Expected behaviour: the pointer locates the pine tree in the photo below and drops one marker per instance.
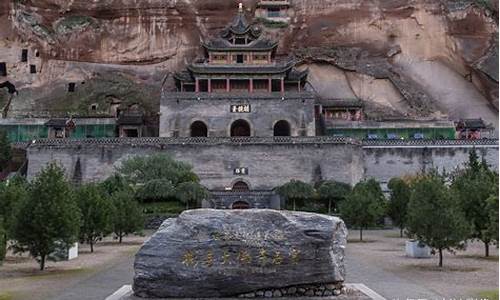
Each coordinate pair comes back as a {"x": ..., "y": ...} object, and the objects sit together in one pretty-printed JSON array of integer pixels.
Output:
[
  {"x": 364, "y": 206},
  {"x": 127, "y": 215},
  {"x": 398, "y": 204},
  {"x": 49, "y": 217},
  {"x": 435, "y": 218},
  {"x": 472, "y": 187},
  {"x": 332, "y": 193},
  {"x": 96, "y": 214}
]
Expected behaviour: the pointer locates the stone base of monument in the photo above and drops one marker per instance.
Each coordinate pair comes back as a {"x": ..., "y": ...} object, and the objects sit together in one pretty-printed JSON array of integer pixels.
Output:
[{"x": 309, "y": 292}]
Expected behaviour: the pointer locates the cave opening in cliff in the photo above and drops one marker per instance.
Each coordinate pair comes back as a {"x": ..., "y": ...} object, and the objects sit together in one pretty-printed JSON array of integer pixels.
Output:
[
  {"x": 24, "y": 55},
  {"x": 3, "y": 69},
  {"x": 32, "y": 69},
  {"x": 71, "y": 87}
]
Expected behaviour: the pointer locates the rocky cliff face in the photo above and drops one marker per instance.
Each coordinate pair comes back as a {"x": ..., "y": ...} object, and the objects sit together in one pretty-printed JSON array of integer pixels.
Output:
[{"x": 417, "y": 57}]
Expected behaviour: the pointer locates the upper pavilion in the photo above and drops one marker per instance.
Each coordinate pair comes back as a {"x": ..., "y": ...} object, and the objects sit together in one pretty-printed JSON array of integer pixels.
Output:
[{"x": 240, "y": 59}]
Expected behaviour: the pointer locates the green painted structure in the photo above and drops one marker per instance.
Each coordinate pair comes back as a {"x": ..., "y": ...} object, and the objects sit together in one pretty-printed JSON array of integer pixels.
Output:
[
  {"x": 393, "y": 130},
  {"x": 24, "y": 130}
]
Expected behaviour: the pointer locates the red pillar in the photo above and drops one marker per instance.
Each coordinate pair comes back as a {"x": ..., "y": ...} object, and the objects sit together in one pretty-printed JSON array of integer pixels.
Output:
[
  {"x": 251, "y": 85},
  {"x": 282, "y": 85},
  {"x": 209, "y": 85},
  {"x": 228, "y": 85},
  {"x": 197, "y": 85},
  {"x": 270, "y": 85}
]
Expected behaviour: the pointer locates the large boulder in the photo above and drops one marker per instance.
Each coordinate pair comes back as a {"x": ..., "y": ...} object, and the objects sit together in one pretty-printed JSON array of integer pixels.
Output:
[{"x": 225, "y": 253}]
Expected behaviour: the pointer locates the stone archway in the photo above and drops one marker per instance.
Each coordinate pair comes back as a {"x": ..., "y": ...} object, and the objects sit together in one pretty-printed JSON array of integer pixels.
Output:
[
  {"x": 199, "y": 129},
  {"x": 282, "y": 128},
  {"x": 241, "y": 186},
  {"x": 240, "y": 205},
  {"x": 240, "y": 128}
]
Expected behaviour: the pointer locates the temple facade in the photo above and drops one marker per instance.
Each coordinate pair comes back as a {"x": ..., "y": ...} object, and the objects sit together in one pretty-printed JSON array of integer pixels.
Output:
[{"x": 239, "y": 88}]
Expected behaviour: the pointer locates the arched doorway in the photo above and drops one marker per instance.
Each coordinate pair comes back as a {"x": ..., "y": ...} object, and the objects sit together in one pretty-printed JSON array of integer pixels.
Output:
[
  {"x": 240, "y": 205},
  {"x": 240, "y": 128},
  {"x": 240, "y": 186},
  {"x": 199, "y": 129},
  {"x": 282, "y": 128}
]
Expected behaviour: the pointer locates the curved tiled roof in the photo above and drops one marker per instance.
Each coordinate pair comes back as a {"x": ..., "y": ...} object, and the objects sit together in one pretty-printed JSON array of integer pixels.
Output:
[
  {"x": 276, "y": 68},
  {"x": 220, "y": 44}
]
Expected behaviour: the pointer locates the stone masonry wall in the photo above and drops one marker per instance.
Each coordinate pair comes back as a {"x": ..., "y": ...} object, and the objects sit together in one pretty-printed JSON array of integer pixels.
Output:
[
  {"x": 386, "y": 162},
  {"x": 178, "y": 115},
  {"x": 269, "y": 164}
]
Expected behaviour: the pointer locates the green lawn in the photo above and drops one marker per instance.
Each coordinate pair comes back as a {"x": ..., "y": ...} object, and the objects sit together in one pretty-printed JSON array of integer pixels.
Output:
[
  {"x": 5, "y": 296},
  {"x": 490, "y": 295}
]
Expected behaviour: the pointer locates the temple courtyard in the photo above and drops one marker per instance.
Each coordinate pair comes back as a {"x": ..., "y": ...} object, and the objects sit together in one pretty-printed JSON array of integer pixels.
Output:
[{"x": 379, "y": 263}]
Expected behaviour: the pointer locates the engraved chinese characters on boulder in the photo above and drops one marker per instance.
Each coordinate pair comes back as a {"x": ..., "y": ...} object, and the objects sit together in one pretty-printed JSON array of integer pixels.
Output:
[{"x": 223, "y": 253}]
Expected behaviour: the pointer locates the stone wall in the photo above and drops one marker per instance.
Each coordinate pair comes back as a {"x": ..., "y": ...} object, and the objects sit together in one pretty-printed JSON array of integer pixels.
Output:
[
  {"x": 384, "y": 162},
  {"x": 270, "y": 162},
  {"x": 179, "y": 111}
]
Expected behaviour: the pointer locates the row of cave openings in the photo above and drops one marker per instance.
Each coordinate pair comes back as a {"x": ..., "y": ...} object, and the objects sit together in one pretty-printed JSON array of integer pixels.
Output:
[
  {"x": 32, "y": 68},
  {"x": 240, "y": 128},
  {"x": 24, "y": 59}
]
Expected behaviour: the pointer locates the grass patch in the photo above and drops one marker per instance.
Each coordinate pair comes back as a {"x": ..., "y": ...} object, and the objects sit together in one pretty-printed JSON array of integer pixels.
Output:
[
  {"x": 5, "y": 296},
  {"x": 490, "y": 295},
  {"x": 393, "y": 235},
  {"x": 55, "y": 272},
  {"x": 445, "y": 268},
  {"x": 480, "y": 257}
]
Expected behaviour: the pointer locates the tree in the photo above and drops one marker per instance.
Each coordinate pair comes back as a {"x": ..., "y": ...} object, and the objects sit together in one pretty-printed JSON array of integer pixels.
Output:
[
  {"x": 191, "y": 193},
  {"x": 493, "y": 208},
  {"x": 12, "y": 193},
  {"x": 398, "y": 204},
  {"x": 5, "y": 150},
  {"x": 155, "y": 190},
  {"x": 49, "y": 217},
  {"x": 141, "y": 169},
  {"x": 472, "y": 187},
  {"x": 332, "y": 193},
  {"x": 434, "y": 217},
  {"x": 3, "y": 242},
  {"x": 115, "y": 183},
  {"x": 296, "y": 191},
  {"x": 364, "y": 206},
  {"x": 127, "y": 215},
  {"x": 156, "y": 177},
  {"x": 96, "y": 214}
]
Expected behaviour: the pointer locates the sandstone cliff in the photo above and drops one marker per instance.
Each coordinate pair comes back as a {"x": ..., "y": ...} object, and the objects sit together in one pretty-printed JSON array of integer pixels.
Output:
[{"x": 403, "y": 58}]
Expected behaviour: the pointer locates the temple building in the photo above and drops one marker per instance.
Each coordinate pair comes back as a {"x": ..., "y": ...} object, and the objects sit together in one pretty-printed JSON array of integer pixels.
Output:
[{"x": 239, "y": 88}]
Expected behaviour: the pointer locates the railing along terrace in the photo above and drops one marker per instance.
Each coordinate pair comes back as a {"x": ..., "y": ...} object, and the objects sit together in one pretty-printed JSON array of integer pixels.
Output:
[
  {"x": 165, "y": 141},
  {"x": 159, "y": 141},
  {"x": 427, "y": 142}
]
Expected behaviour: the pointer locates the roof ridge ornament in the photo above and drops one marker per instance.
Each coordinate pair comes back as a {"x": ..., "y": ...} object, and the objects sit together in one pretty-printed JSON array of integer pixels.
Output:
[{"x": 240, "y": 8}]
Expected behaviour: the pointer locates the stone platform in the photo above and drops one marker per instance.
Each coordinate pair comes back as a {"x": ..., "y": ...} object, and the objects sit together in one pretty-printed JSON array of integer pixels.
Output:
[{"x": 353, "y": 292}]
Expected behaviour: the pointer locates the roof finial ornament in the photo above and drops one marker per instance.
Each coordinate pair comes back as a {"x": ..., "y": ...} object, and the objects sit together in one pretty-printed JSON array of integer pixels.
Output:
[{"x": 240, "y": 8}]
